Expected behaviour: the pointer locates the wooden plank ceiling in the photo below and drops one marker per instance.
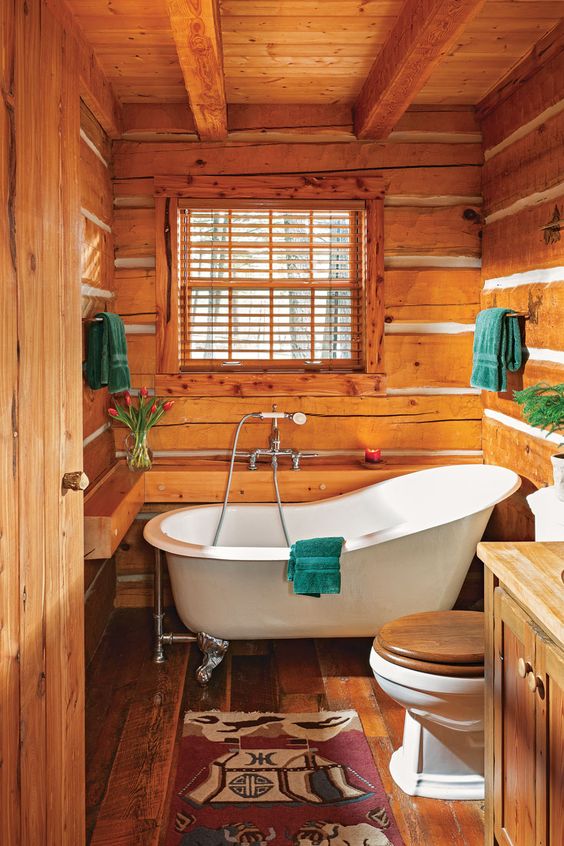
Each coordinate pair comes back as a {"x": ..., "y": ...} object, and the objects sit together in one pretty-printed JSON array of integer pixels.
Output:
[{"x": 304, "y": 51}]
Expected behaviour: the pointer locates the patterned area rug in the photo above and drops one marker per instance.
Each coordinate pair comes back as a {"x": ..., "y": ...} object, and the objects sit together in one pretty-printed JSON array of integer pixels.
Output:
[{"x": 299, "y": 779}]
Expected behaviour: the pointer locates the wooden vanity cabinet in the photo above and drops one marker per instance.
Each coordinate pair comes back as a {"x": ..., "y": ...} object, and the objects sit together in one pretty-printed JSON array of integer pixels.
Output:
[
  {"x": 525, "y": 729},
  {"x": 549, "y": 668}
]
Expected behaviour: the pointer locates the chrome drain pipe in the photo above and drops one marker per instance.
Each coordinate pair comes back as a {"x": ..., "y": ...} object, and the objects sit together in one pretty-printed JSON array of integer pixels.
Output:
[{"x": 161, "y": 637}]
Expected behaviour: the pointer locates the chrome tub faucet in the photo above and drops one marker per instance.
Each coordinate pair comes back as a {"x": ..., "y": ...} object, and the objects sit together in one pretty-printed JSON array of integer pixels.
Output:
[{"x": 274, "y": 450}]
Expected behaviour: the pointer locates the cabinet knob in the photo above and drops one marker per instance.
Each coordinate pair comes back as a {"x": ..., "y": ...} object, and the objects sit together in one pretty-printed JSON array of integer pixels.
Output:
[
  {"x": 77, "y": 481},
  {"x": 531, "y": 682},
  {"x": 523, "y": 668}
]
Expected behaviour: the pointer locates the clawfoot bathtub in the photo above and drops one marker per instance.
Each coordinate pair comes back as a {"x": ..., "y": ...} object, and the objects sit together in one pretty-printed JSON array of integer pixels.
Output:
[{"x": 408, "y": 544}]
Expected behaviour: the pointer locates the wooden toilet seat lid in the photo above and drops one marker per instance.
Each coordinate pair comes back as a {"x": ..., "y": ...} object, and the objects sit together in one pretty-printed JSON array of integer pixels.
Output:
[
  {"x": 447, "y": 638},
  {"x": 451, "y": 670}
]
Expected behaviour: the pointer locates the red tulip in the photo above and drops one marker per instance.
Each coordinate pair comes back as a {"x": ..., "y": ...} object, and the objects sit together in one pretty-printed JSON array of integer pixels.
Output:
[
  {"x": 153, "y": 408},
  {"x": 127, "y": 398},
  {"x": 168, "y": 405},
  {"x": 144, "y": 392},
  {"x": 112, "y": 412}
]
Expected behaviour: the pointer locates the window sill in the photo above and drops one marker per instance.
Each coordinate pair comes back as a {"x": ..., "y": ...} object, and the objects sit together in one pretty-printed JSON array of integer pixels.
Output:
[{"x": 266, "y": 384}]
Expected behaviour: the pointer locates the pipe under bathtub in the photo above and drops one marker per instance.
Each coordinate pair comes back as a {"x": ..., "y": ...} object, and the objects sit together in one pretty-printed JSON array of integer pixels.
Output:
[
  {"x": 162, "y": 637},
  {"x": 212, "y": 648}
]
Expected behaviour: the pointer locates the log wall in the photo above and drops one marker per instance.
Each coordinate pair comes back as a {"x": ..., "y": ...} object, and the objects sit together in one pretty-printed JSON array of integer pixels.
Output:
[
  {"x": 523, "y": 184},
  {"x": 97, "y": 272},
  {"x": 432, "y": 281}
]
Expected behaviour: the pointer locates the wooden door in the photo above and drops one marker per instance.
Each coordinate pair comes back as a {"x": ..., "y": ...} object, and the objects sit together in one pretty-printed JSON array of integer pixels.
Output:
[
  {"x": 549, "y": 696},
  {"x": 514, "y": 724},
  {"x": 41, "y": 567}
]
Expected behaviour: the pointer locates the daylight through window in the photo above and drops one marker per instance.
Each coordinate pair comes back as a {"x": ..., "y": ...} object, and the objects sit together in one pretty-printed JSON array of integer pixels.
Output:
[{"x": 270, "y": 287}]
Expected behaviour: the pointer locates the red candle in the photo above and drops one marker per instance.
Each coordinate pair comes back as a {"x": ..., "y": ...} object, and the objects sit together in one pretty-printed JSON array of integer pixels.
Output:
[{"x": 372, "y": 456}]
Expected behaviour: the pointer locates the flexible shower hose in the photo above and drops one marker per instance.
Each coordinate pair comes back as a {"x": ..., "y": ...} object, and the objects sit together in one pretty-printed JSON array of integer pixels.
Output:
[
  {"x": 240, "y": 425},
  {"x": 280, "y": 510}
]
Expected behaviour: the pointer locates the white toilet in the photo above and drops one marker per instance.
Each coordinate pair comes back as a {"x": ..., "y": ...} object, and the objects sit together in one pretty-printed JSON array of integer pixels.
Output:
[{"x": 433, "y": 665}]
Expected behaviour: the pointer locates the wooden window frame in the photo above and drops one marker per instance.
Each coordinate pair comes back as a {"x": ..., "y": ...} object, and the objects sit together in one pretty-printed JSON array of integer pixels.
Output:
[{"x": 280, "y": 189}]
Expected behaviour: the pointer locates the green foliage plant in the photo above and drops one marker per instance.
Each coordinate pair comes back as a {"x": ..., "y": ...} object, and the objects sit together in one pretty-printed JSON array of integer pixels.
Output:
[{"x": 543, "y": 406}]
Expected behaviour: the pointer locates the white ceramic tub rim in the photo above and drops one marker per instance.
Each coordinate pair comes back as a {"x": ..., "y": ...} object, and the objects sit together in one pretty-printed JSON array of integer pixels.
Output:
[{"x": 154, "y": 534}]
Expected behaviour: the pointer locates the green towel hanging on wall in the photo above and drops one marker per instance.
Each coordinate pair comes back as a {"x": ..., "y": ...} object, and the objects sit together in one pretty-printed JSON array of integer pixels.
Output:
[
  {"x": 497, "y": 349},
  {"x": 106, "y": 362}
]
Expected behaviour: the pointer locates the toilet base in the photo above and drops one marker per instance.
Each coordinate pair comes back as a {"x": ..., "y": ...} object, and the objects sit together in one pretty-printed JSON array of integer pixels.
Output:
[{"x": 439, "y": 762}]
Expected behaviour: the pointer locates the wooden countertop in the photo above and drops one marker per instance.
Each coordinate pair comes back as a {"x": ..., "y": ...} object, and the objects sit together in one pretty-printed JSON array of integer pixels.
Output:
[{"x": 533, "y": 573}]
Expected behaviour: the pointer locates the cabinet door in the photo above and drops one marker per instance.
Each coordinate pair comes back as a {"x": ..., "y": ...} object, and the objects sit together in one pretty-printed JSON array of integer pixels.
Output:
[
  {"x": 514, "y": 724},
  {"x": 549, "y": 692}
]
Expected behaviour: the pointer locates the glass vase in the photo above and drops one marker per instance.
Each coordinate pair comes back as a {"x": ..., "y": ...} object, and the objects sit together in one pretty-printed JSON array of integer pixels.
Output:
[{"x": 138, "y": 455}]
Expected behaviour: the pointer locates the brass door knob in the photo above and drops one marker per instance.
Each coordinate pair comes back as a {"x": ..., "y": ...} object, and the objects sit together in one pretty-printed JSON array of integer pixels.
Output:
[
  {"x": 523, "y": 668},
  {"x": 77, "y": 481}
]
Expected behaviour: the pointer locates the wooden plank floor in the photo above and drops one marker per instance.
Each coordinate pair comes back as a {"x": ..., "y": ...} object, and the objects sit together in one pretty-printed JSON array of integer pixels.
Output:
[{"x": 134, "y": 710}]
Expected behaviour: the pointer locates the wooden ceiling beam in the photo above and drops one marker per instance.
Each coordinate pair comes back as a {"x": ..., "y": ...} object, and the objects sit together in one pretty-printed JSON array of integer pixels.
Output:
[
  {"x": 197, "y": 34},
  {"x": 422, "y": 35}
]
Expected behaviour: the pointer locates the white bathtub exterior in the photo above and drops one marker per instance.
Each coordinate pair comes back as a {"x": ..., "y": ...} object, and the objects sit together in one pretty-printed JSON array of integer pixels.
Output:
[{"x": 408, "y": 544}]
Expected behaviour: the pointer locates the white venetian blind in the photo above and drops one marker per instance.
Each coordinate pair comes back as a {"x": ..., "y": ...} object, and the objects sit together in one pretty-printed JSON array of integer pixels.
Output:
[{"x": 264, "y": 287}]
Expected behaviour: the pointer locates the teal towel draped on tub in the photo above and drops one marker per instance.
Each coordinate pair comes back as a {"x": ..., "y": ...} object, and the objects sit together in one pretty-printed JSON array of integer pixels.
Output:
[
  {"x": 106, "y": 362},
  {"x": 497, "y": 349},
  {"x": 314, "y": 566}
]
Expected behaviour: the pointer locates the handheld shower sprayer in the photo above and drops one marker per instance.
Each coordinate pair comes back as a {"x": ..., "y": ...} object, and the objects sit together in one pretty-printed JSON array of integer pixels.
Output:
[
  {"x": 295, "y": 416},
  {"x": 298, "y": 417}
]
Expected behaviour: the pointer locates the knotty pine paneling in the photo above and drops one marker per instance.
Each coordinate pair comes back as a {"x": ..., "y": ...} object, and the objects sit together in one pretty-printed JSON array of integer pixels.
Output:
[
  {"x": 515, "y": 178},
  {"x": 10, "y": 589},
  {"x": 41, "y": 578}
]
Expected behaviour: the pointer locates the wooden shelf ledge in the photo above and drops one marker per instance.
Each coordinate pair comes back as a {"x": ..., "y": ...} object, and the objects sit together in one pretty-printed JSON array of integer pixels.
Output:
[
  {"x": 200, "y": 481},
  {"x": 110, "y": 509}
]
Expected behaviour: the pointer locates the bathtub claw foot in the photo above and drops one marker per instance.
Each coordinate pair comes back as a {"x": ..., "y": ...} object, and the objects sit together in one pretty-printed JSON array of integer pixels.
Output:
[{"x": 214, "y": 649}]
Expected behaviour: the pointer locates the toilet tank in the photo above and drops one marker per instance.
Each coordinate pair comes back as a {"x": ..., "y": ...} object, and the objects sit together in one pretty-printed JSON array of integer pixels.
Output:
[{"x": 549, "y": 515}]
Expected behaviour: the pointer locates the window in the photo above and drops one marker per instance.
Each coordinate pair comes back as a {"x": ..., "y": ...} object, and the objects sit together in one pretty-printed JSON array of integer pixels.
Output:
[
  {"x": 263, "y": 286},
  {"x": 270, "y": 283}
]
